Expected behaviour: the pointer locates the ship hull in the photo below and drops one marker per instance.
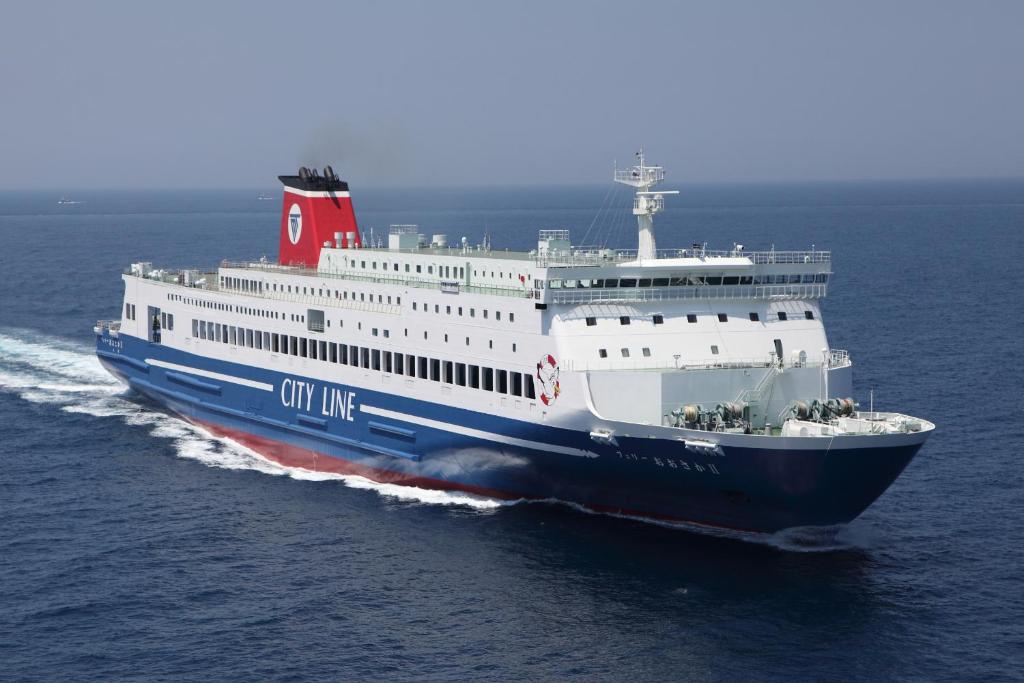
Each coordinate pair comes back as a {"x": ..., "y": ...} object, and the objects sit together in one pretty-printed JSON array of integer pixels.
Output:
[{"x": 396, "y": 439}]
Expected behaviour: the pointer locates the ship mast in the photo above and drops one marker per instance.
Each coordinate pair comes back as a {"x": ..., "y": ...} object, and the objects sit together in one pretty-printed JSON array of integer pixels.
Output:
[{"x": 646, "y": 203}]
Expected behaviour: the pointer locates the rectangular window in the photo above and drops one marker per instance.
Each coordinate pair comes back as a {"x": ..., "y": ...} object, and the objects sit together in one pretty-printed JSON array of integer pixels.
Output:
[
  {"x": 342, "y": 354},
  {"x": 809, "y": 315},
  {"x": 658, "y": 319},
  {"x": 623, "y": 319},
  {"x": 714, "y": 350},
  {"x": 474, "y": 376},
  {"x": 754, "y": 317},
  {"x": 591, "y": 321},
  {"x": 603, "y": 353},
  {"x": 625, "y": 353},
  {"x": 782, "y": 315},
  {"x": 488, "y": 379},
  {"x": 275, "y": 342},
  {"x": 376, "y": 359},
  {"x": 322, "y": 355},
  {"x": 353, "y": 355},
  {"x": 435, "y": 370},
  {"x": 333, "y": 352},
  {"x": 422, "y": 368},
  {"x": 364, "y": 356},
  {"x": 517, "y": 383},
  {"x": 293, "y": 345},
  {"x": 410, "y": 365},
  {"x": 195, "y": 327},
  {"x": 313, "y": 350},
  {"x": 691, "y": 318},
  {"x": 723, "y": 317},
  {"x": 502, "y": 381},
  {"x": 528, "y": 386},
  {"x": 303, "y": 347},
  {"x": 460, "y": 374},
  {"x": 449, "y": 372}
]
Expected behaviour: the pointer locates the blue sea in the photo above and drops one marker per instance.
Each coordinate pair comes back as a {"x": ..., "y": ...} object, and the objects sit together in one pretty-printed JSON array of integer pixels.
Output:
[{"x": 134, "y": 547}]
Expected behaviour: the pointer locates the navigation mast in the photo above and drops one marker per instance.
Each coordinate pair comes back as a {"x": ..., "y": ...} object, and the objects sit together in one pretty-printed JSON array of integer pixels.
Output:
[{"x": 646, "y": 203}]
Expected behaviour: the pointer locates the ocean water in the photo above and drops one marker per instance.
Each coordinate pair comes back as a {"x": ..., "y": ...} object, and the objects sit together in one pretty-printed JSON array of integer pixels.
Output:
[{"x": 136, "y": 547}]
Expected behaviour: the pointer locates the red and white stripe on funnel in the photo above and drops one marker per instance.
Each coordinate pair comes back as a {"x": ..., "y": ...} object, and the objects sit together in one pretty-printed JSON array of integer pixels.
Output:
[{"x": 317, "y": 211}]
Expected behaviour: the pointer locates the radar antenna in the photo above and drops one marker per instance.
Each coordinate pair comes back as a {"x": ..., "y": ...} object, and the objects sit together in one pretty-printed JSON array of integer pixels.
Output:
[{"x": 646, "y": 203}]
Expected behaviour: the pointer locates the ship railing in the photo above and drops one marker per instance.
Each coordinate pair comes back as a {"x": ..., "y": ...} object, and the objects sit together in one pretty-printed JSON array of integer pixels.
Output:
[
  {"x": 101, "y": 325},
  {"x": 582, "y": 295},
  {"x": 768, "y": 362},
  {"x": 591, "y": 255},
  {"x": 444, "y": 285}
]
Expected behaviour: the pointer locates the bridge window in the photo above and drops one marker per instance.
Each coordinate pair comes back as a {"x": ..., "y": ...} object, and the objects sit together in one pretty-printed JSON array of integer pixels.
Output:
[
  {"x": 754, "y": 317},
  {"x": 691, "y": 318},
  {"x": 723, "y": 317},
  {"x": 591, "y": 321},
  {"x": 809, "y": 315},
  {"x": 782, "y": 315},
  {"x": 623, "y": 319},
  {"x": 658, "y": 319}
]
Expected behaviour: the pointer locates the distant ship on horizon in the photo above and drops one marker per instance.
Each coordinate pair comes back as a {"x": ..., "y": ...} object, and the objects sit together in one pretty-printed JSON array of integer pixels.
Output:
[
  {"x": 264, "y": 197},
  {"x": 66, "y": 200}
]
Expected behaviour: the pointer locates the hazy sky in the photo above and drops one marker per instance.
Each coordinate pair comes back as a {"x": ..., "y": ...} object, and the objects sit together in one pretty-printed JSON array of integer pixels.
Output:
[{"x": 182, "y": 94}]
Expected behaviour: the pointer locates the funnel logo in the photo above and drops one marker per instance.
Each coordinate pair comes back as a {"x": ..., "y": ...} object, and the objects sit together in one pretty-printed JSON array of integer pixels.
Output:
[
  {"x": 294, "y": 223},
  {"x": 547, "y": 376}
]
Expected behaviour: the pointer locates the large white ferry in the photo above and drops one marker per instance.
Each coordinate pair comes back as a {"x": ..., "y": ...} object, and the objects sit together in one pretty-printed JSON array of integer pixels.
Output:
[{"x": 681, "y": 384}]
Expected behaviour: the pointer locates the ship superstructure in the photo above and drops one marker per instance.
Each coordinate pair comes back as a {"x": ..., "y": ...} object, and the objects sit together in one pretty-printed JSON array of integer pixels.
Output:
[{"x": 683, "y": 384}]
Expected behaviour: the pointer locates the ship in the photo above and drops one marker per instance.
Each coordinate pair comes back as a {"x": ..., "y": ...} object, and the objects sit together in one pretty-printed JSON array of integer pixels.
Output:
[
  {"x": 264, "y": 197},
  {"x": 684, "y": 385}
]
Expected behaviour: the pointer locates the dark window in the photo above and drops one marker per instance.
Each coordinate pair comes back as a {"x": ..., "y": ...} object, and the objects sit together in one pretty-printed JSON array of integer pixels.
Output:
[
  {"x": 591, "y": 322},
  {"x": 422, "y": 374},
  {"x": 376, "y": 359},
  {"x": 334, "y": 352},
  {"x": 435, "y": 369},
  {"x": 647, "y": 352},
  {"x": 528, "y": 386},
  {"x": 731, "y": 280},
  {"x": 625, "y": 353},
  {"x": 691, "y": 318},
  {"x": 809, "y": 315},
  {"x": 754, "y": 317},
  {"x": 387, "y": 361},
  {"x": 714, "y": 349},
  {"x": 474, "y": 376},
  {"x": 658, "y": 319},
  {"x": 782, "y": 315},
  {"x": 488, "y": 379},
  {"x": 723, "y": 318},
  {"x": 517, "y": 384},
  {"x": 364, "y": 354},
  {"x": 460, "y": 374},
  {"x": 660, "y": 282},
  {"x": 449, "y": 372},
  {"x": 502, "y": 381},
  {"x": 627, "y": 282},
  {"x": 603, "y": 353},
  {"x": 645, "y": 282},
  {"x": 623, "y": 319}
]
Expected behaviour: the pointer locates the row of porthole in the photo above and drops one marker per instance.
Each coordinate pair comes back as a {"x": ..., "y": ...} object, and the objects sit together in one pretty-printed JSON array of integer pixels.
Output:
[{"x": 658, "y": 319}]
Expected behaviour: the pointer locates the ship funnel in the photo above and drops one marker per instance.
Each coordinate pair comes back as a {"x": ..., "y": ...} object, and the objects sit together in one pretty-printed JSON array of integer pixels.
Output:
[{"x": 316, "y": 210}]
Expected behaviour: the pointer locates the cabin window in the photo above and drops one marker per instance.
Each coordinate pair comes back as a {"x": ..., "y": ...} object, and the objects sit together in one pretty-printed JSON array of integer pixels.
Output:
[
  {"x": 602, "y": 353},
  {"x": 511, "y": 317},
  {"x": 714, "y": 350},
  {"x": 474, "y": 376},
  {"x": 782, "y": 315},
  {"x": 364, "y": 354},
  {"x": 754, "y": 317},
  {"x": 627, "y": 282},
  {"x": 809, "y": 315},
  {"x": 658, "y": 319},
  {"x": 502, "y": 381},
  {"x": 691, "y": 318},
  {"x": 334, "y": 352},
  {"x": 376, "y": 359},
  {"x": 449, "y": 372},
  {"x": 528, "y": 386},
  {"x": 625, "y": 353},
  {"x": 488, "y": 379},
  {"x": 723, "y": 317},
  {"x": 399, "y": 367},
  {"x": 435, "y": 370},
  {"x": 460, "y": 374},
  {"x": 517, "y": 384},
  {"x": 591, "y": 321},
  {"x": 623, "y": 319},
  {"x": 647, "y": 352}
]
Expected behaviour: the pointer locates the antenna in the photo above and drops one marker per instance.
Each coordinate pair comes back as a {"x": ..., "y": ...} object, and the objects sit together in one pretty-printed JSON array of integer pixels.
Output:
[{"x": 646, "y": 203}]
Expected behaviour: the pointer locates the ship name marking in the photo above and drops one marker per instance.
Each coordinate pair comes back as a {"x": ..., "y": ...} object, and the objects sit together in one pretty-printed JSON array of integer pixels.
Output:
[{"x": 334, "y": 402}]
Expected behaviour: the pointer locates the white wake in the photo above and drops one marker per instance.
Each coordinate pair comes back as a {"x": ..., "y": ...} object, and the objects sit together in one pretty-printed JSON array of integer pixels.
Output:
[{"x": 46, "y": 370}]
